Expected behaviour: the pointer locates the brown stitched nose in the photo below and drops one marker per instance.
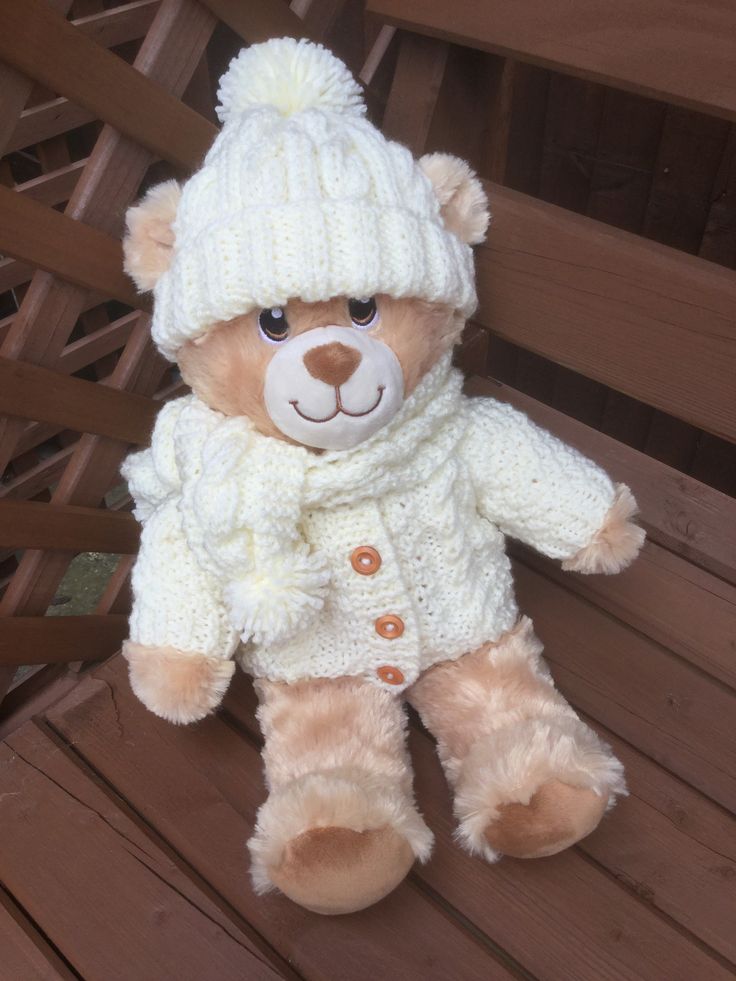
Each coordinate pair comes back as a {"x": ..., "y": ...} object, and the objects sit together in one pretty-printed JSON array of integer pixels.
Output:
[{"x": 332, "y": 363}]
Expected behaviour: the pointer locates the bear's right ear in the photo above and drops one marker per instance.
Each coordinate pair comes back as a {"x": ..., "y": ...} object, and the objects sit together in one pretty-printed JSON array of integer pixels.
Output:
[{"x": 149, "y": 238}]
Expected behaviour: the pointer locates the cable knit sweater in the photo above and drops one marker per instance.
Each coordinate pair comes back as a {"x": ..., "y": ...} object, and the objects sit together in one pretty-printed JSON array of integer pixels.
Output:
[{"x": 248, "y": 542}]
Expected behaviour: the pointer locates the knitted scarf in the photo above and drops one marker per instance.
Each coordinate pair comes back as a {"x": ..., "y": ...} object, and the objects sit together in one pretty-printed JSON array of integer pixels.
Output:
[{"x": 242, "y": 495}]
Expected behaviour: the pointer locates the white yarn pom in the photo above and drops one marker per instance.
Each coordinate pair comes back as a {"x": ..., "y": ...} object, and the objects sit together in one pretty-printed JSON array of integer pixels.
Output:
[
  {"x": 273, "y": 604},
  {"x": 290, "y": 75}
]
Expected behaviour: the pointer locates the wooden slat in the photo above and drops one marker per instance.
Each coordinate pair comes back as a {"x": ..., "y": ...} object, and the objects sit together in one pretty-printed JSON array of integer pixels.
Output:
[
  {"x": 420, "y": 69},
  {"x": 37, "y": 41},
  {"x": 259, "y": 20},
  {"x": 31, "y": 524},
  {"x": 25, "y": 953},
  {"x": 678, "y": 512},
  {"x": 127, "y": 22},
  {"x": 667, "y": 598},
  {"x": 53, "y": 640},
  {"x": 187, "y": 781},
  {"x": 134, "y": 913},
  {"x": 700, "y": 838},
  {"x": 77, "y": 252},
  {"x": 663, "y": 817},
  {"x": 673, "y": 712},
  {"x": 54, "y": 187},
  {"x": 668, "y": 49},
  {"x": 46, "y": 120},
  {"x": 33, "y": 392},
  {"x": 652, "y": 323}
]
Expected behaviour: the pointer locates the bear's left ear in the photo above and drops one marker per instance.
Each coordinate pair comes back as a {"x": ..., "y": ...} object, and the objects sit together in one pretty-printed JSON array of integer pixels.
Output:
[
  {"x": 463, "y": 202},
  {"x": 149, "y": 238}
]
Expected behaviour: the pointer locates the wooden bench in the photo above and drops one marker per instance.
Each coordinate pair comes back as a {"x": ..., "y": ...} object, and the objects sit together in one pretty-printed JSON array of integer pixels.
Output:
[{"x": 144, "y": 823}]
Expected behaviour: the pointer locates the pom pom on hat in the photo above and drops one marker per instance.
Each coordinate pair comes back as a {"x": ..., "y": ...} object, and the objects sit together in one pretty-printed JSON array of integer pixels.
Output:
[{"x": 291, "y": 76}]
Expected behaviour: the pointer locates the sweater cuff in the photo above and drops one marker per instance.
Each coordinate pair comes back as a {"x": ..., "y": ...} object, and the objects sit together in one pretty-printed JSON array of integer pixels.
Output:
[{"x": 615, "y": 544}]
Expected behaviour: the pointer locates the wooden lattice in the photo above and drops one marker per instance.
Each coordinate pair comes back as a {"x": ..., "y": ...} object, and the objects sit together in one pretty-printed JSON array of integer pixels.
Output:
[{"x": 98, "y": 99}]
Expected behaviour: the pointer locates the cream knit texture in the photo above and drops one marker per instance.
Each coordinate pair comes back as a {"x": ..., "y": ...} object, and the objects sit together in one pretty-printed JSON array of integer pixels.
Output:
[
  {"x": 301, "y": 196},
  {"x": 248, "y": 540}
]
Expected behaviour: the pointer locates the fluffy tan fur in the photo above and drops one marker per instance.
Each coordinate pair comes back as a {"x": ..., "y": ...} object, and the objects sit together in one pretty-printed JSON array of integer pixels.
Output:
[
  {"x": 149, "y": 238},
  {"x": 616, "y": 544},
  {"x": 177, "y": 686},
  {"x": 226, "y": 367},
  {"x": 335, "y": 757},
  {"x": 503, "y": 731},
  {"x": 463, "y": 202}
]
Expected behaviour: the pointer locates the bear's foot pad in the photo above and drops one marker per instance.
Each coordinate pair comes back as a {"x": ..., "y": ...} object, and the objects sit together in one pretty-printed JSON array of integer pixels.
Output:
[
  {"x": 556, "y": 817},
  {"x": 338, "y": 870}
]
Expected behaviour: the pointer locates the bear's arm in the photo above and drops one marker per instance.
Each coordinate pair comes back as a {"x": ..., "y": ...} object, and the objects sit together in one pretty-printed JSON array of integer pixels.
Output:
[
  {"x": 546, "y": 494},
  {"x": 181, "y": 640}
]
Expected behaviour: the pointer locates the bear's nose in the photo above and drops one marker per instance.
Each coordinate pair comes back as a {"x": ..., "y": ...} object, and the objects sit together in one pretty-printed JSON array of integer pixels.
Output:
[{"x": 332, "y": 363}]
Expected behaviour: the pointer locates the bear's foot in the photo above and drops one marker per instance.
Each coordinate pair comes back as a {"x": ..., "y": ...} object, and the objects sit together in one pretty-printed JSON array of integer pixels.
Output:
[
  {"x": 338, "y": 870},
  {"x": 337, "y": 841},
  {"x": 556, "y": 817},
  {"x": 534, "y": 788}
]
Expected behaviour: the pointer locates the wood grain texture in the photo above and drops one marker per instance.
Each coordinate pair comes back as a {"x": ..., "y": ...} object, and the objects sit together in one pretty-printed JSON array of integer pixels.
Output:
[
  {"x": 498, "y": 899},
  {"x": 32, "y": 524},
  {"x": 25, "y": 953},
  {"x": 635, "y": 315},
  {"x": 34, "y": 392},
  {"x": 629, "y": 45},
  {"x": 57, "y": 640},
  {"x": 673, "y": 712},
  {"x": 134, "y": 912},
  {"x": 259, "y": 20},
  {"x": 678, "y": 512},
  {"x": 71, "y": 249},
  {"x": 37, "y": 41},
  {"x": 667, "y": 598},
  {"x": 406, "y": 934}
]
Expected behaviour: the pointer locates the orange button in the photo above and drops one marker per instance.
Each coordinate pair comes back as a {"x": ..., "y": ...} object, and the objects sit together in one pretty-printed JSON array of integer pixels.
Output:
[
  {"x": 392, "y": 676},
  {"x": 365, "y": 560},
  {"x": 390, "y": 626}
]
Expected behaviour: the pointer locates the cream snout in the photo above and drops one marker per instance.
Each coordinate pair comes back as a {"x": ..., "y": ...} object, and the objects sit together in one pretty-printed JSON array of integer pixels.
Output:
[{"x": 333, "y": 387}]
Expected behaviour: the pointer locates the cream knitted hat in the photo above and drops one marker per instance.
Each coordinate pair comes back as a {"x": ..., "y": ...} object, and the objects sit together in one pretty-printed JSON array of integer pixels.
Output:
[{"x": 301, "y": 196}]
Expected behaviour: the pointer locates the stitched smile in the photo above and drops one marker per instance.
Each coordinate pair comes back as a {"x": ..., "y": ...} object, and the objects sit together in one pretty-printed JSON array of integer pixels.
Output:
[{"x": 339, "y": 408}]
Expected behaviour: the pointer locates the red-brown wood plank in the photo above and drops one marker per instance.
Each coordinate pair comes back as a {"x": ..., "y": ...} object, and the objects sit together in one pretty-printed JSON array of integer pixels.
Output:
[
  {"x": 126, "y": 22},
  {"x": 678, "y": 512},
  {"x": 40, "y": 235},
  {"x": 37, "y": 41},
  {"x": 108, "y": 898},
  {"x": 48, "y": 119},
  {"x": 32, "y": 524},
  {"x": 669, "y": 599},
  {"x": 199, "y": 787},
  {"x": 647, "y": 320},
  {"x": 668, "y": 49},
  {"x": 640, "y": 841},
  {"x": 259, "y": 20},
  {"x": 52, "y": 640},
  {"x": 25, "y": 953},
  {"x": 673, "y": 712},
  {"x": 38, "y": 393}
]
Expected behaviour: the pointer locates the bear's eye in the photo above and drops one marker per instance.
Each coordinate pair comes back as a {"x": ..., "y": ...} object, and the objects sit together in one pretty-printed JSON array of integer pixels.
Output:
[
  {"x": 364, "y": 312},
  {"x": 273, "y": 325}
]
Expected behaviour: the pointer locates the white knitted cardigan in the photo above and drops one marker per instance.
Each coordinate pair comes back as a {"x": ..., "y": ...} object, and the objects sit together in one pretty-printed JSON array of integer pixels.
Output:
[
  {"x": 241, "y": 495},
  {"x": 227, "y": 550}
]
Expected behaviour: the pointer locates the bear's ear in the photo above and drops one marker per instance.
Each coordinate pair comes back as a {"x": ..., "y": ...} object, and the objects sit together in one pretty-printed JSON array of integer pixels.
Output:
[
  {"x": 463, "y": 202},
  {"x": 149, "y": 237}
]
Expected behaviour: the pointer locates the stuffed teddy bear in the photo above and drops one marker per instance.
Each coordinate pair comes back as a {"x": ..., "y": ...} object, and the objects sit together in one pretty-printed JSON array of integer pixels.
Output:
[{"x": 329, "y": 509}]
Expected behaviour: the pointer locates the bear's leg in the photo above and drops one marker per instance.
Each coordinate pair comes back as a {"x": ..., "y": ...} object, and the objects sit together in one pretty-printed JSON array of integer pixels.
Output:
[
  {"x": 529, "y": 777},
  {"x": 339, "y": 829}
]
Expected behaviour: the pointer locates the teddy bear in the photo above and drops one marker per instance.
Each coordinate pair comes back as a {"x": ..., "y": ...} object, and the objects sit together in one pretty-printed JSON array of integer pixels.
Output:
[{"x": 328, "y": 509}]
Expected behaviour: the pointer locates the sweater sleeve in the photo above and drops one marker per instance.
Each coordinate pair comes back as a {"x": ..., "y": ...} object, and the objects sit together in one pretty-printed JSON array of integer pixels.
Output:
[
  {"x": 536, "y": 488},
  {"x": 176, "y": 603}
]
